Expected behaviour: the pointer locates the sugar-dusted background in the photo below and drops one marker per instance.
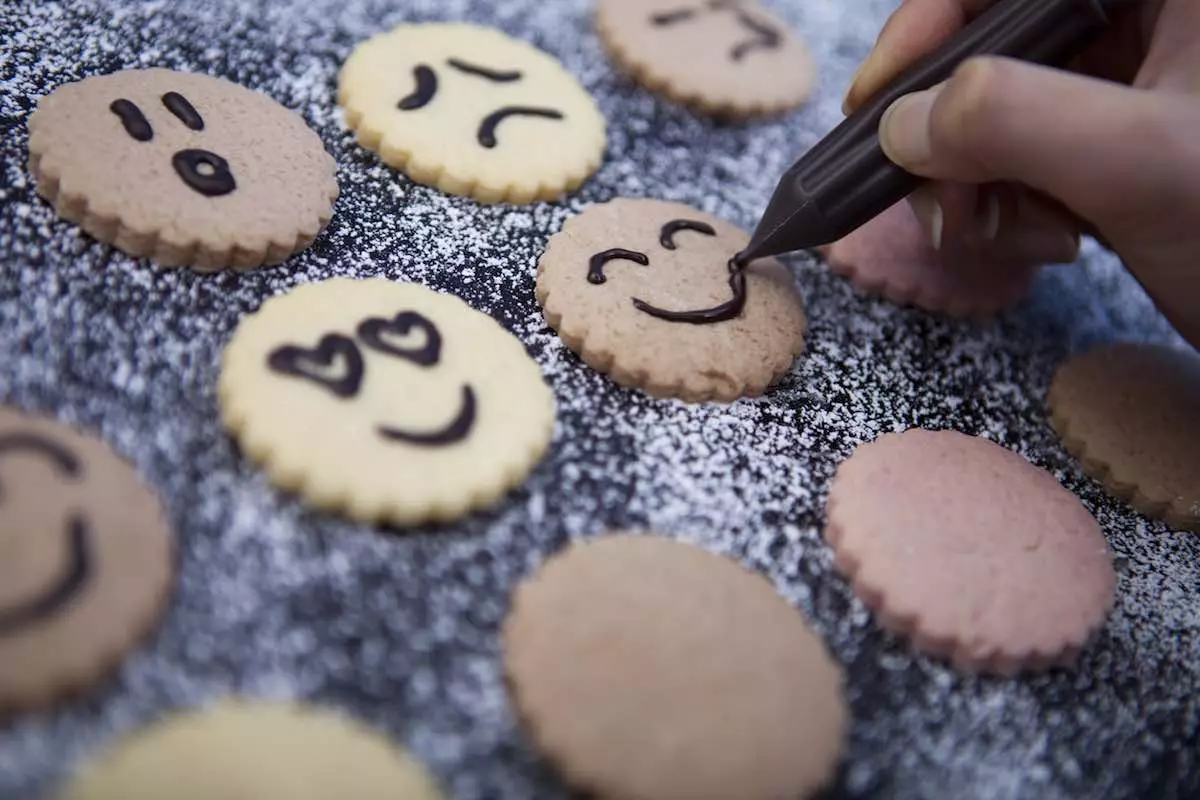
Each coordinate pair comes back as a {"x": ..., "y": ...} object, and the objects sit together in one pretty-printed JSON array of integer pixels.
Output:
[{"x": 401, "y": 628}]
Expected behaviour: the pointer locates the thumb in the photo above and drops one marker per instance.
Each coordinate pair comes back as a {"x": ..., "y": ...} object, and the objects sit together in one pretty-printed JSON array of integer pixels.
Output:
[{"x": 1110, "y": 153}]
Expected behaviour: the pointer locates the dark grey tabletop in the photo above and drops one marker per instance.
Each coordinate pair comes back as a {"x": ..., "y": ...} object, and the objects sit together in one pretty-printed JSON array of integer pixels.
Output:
[{"x": 401, "y": 629}]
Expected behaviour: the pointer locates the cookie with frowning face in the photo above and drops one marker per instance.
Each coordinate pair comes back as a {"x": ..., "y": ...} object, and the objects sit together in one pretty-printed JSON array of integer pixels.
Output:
[
  {"x": 187, "y": 169},
  {"x": 85, "y": 560},
  {"x": 646, "y": 291},
  {"x": 730, "y": 58},
  {"x": 387, "y": 401}
]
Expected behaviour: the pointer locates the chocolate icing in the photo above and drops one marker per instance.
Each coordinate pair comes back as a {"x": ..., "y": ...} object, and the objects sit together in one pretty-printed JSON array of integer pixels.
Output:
[
  {"x": 299, "y": 362},
  {"x": 78, "y": 570},
  {"x": 178, "y": 105},
  {"x": 487, "y": 129},
  {"x": 596, "y": 263},
  {"x": 427, "y": 84},
  {"x": 215, "y": 181},
  {"x": 484, "y": 72},
  {"x": 456, "y": 431},
  {"x": 728, "y": 310},
  {"x": 666, "y": 237},
  {"x": 371, "y": 332},
  {"x": 766, "y": 37},
  {"x": 664, "y": 18},
  {"x": 135, "y": 122}
]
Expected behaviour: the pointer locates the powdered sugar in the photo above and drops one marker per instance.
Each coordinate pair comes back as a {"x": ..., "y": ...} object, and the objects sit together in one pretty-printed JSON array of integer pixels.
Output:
[{"x": 401, "y": 628}]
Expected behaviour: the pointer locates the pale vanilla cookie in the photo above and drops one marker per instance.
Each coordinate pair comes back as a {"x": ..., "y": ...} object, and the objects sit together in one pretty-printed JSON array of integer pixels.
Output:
[
  {"x": 1131, "y": 414},
  {"x": 388, "y": 401},
  {"x": 890, "y": 257},
  {"x": 472, "y": 112},
  {"x": 971, "y": 551},
  {"x": 86, "y": 561},
  {"x": 727, "y": 58},
  {"x": 183, "y": 168},
  {"x": 645, "y": 669},
  {"x": 645, "y": 291},
  {"x": 238, "y": 750}
]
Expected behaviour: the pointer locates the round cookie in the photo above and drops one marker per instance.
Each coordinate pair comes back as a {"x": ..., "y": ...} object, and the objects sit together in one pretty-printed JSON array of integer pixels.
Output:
[
  {"x": 472, "y": 112},
  {"x": 254, "y": 750},
  {"x": 727, "y": 58},
  {"x": 183, "y": 168},
  {"x": 890, "y": 257},
  {"x": 86, "y": 561},
  {"x": 644, "y": 291},
  {"x": 970, "y": 550},
  {"x": 388, "y": 401},
  {"x": 647, "y": 669},
  {"x": 1129, "y": 413}
]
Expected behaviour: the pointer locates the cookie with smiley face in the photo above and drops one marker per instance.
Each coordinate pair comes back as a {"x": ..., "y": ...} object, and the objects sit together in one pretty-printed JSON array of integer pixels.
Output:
[
  {"x": 85, "y": 560},
  {"x": 727, "y": 58},
  {"x": 472, "y": 112},
  {"x": 187, "y": 169},
  {"x": 387, "y": 401},
  {"x": 647, "y": 292}
]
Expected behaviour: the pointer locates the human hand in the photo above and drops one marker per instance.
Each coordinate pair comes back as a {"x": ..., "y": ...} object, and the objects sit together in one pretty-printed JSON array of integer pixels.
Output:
[{"x": 1025, "y": 157}]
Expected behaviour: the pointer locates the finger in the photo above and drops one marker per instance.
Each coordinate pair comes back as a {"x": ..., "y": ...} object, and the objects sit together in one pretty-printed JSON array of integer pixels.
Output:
[{"x": 914, "y": 30}]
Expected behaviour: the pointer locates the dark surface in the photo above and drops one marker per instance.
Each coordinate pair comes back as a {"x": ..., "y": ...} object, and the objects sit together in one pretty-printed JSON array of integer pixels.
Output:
[{"x": 401, "y": 629}]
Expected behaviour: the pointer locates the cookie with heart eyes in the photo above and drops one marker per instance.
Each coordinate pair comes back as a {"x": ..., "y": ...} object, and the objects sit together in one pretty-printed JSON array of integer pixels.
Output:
[
  {"x": 386, "y": 401},
  {"x": 187, "y": 169},
  {"x": 647, "y": 292}
]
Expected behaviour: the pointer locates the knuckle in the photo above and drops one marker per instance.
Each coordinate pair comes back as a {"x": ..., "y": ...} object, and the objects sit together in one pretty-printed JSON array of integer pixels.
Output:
[{"x": 967, "y": 112}]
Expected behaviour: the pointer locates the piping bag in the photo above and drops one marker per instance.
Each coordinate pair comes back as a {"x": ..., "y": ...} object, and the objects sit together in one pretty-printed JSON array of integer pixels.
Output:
[{"x": 846, "y": 181}]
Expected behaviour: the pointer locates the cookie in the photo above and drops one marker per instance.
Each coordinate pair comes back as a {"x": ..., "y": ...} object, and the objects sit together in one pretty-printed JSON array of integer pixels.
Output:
[
  {"x": 646, "y": 669},
  {"x": 254, "y": 750},
  {"x": 86, "y": 561},
  {"x": 1128, "y": 412},
  {"x": 971, "y": 551},
  {"x": 183, "y": 168},
  {"x": 726, "y": 58},
  {"x": 645, "y": 291},
  {"x": 388, "y": 401},
  {"x": 890, "y": 257},
  {"x": 472, "y": 112}
]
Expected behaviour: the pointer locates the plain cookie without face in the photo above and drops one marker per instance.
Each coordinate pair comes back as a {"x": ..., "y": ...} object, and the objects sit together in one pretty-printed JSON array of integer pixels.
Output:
[
  {"x": 970, "y": 550},
  {"x": 86, "y": 561},
  {"x": 643, "y": 290},
  {"x": 890, "y": 257},
  {"x": 388, "y": 401},
  {"x": 239, "y": 751},
  {"x": 647, "y": 669},
  {"x": 472, "y": 112},
  {"x": 1131, "y": 414},
  {"x": 186, "y": 169},
  {"x": 727, "y": 58}
]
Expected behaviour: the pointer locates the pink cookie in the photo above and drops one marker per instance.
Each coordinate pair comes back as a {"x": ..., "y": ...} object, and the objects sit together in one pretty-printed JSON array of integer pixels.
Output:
[
  {"x": 890, "y": 257},
  {"x": 970, "y": 550}
]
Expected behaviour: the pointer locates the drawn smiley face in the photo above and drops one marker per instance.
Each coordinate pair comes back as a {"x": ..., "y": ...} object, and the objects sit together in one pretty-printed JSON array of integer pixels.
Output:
[
  {"x": 185, "y": 168},
  {"x": 471, "y": 111},
  {"x": 726, "y": 57},
  {"x": 85, "y": 559},
  {"x": 385, "y": 400},
  {"x": 644, "y": 290}
]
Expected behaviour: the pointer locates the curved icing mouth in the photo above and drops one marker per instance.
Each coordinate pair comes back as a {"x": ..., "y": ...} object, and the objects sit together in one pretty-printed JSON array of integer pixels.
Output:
[
  {"x": 455, "y": 431},
  {"x": 728, "y": 310},
  {"x": 59, "y": 592}
]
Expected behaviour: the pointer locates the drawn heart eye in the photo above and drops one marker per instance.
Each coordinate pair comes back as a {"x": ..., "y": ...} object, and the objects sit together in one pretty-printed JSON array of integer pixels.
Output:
[
  {"x": 408, "y": 335},
  {"x": 335, "y": 363}
]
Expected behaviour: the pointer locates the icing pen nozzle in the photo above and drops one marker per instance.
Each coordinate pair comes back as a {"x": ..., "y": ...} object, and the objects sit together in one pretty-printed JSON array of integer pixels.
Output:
[{"x": 846, "y": 180}]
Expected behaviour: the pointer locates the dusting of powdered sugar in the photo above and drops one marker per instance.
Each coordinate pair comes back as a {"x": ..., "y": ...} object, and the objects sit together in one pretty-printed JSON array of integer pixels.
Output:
[{"x": 402, "y": 628}]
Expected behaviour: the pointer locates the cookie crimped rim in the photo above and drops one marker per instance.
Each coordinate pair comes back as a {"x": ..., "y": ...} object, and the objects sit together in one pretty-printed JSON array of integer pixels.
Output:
[
  {"x": 437, "y": 173},
  {"x": 971, "y": 656},
  {"x": 595, "y": 784},
  {"x": 565, "y": 324},
  {"x": 236, "y": 412}
]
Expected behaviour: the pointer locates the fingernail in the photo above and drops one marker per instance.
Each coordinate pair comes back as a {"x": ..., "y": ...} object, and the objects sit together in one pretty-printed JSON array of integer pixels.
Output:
[
  {"x": 853, "y": 82},
  {"x": 929, "y": 213},
  {"x": 904, "y": 129},
  {"x": 991, "y": 216}
]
